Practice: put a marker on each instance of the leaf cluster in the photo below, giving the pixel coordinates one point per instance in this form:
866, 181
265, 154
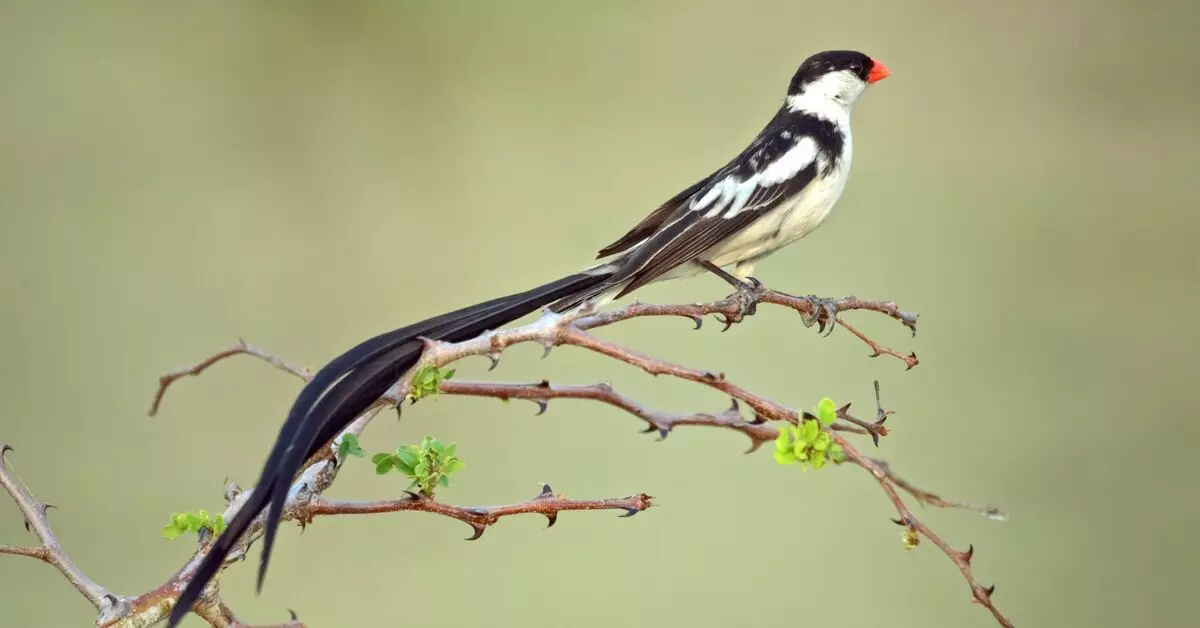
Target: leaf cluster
808, 443
429, 464
194, 521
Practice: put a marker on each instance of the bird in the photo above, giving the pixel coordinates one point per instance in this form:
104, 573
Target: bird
777, 190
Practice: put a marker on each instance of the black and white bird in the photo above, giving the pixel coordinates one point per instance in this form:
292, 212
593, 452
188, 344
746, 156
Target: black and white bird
779, 189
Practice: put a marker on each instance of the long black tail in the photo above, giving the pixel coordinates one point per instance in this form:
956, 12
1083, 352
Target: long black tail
346, 387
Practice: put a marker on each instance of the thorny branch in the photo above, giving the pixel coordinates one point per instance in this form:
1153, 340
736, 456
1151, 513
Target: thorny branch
306, 500
547, 504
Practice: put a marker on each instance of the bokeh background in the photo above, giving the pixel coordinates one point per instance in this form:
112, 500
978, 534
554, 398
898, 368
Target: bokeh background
174, 176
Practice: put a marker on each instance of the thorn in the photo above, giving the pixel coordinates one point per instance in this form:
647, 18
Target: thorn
629, 512
293, 615
542, 405
898, 522
758, 419
413, 496
545, 383
880, 413
553, 518
915, 361
733, 405
844, 409
966, 556
663, 432
649, 428
546, 349
478, 532
547, 492
989, 591
5, 448
806, 415
495, 358
754, 445
699, 321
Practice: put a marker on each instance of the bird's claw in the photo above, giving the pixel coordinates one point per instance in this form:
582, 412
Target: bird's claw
746, 297
824, 314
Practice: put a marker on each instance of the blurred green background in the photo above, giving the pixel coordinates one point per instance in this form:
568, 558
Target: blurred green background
175, 176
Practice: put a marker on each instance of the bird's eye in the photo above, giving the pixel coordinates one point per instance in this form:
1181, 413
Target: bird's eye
856, 67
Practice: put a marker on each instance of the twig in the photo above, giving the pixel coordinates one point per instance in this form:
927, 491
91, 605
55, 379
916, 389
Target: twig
241, 348
547, 504
961, 559
909, 360
49, 550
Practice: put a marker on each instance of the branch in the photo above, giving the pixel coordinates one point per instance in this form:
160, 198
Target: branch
547, 504
49, 550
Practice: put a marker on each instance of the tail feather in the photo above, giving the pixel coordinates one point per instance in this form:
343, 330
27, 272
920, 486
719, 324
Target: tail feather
346, 387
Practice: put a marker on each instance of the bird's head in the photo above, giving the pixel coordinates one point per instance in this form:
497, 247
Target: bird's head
837, 75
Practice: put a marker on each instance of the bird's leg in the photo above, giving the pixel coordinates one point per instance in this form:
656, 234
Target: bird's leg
748, 292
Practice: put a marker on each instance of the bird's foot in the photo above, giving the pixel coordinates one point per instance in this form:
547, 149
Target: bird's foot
746, 298
824, 313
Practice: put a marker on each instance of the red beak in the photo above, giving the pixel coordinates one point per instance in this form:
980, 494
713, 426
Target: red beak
879, 71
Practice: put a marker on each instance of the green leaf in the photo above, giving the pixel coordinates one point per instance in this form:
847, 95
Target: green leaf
809, 431
449, 450
785, 457
448, 374
421, 470
436, 446
822, 441
835, 454
453, 465
377, 458
385, 465
817, 459
408, 455
444, 481
827, 411
404, 468
219, 525
800, 451
783, 442
171, 531
348, 446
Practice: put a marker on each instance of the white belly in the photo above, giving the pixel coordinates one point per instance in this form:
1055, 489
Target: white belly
791, 220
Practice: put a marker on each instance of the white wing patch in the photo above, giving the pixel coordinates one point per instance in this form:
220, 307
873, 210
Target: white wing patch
798, 158
730, 195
